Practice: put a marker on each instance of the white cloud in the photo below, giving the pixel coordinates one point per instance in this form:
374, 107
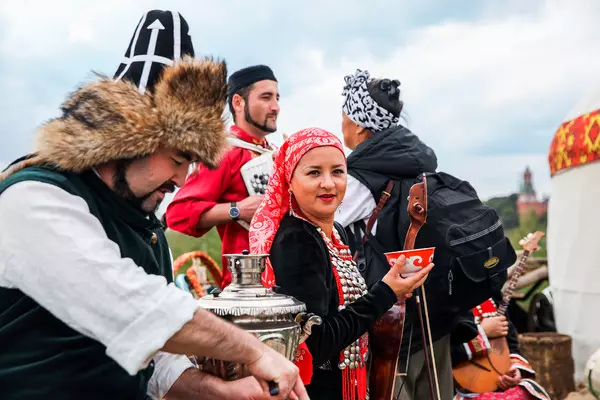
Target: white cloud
37, 28
465, 83
500, 175
80, 32
468, 85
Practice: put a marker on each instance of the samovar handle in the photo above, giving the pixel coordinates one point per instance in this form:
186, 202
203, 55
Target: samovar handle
307, 321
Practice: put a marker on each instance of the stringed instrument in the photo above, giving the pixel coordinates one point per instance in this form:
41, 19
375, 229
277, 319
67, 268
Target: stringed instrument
481, 374
385, 336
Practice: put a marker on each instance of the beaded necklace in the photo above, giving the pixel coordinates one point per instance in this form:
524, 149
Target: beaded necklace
351, 286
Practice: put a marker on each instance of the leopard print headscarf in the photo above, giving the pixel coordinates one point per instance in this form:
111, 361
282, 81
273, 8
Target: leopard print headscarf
360, 107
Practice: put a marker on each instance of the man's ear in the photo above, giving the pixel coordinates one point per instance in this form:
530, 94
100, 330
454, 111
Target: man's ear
238, 102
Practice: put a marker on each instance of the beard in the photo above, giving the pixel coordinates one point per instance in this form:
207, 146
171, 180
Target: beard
263, 127
123, 189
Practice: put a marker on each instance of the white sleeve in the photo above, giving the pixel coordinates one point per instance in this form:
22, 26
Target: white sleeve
56, 252
358, 203
167, 369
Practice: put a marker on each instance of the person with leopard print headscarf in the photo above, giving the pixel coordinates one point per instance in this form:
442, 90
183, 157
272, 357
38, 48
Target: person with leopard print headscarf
384, 150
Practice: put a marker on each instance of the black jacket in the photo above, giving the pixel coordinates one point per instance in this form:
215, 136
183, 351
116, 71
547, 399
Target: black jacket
395, 153
303, 270
398, 154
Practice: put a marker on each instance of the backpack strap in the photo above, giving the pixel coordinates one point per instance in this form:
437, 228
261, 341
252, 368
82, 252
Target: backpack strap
385, 196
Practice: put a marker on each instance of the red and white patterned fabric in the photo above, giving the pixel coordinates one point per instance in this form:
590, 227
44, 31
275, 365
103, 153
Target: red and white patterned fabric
519, 392
520, 362
486, 309
276, 205
479, 346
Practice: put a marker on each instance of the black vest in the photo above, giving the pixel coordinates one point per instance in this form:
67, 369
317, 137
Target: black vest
43, 358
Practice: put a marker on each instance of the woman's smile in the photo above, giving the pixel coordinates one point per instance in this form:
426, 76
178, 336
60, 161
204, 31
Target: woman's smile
327, 197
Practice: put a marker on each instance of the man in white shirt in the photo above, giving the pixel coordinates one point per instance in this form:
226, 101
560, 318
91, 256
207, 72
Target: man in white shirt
88, 308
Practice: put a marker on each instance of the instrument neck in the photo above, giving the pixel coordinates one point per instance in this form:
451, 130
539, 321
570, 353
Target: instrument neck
411, 235
512, 283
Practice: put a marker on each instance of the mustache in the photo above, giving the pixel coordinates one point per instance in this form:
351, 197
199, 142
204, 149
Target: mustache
263, 127
168, 187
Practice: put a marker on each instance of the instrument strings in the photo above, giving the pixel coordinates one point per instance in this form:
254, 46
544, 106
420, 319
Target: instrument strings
407, 361
433, 364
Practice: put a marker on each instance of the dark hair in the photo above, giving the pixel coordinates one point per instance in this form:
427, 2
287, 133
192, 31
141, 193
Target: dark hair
242, 92
386, 93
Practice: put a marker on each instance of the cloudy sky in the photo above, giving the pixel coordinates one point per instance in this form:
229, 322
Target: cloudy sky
486, 83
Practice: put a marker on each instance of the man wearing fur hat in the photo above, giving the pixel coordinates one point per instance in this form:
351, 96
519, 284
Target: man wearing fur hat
218, 197
88, 309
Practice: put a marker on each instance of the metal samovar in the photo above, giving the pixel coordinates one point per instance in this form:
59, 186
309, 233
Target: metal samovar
279, 321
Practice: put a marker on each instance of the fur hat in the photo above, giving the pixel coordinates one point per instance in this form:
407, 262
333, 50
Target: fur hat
110, 120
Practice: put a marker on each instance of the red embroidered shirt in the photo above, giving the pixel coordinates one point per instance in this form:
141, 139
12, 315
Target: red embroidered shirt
207, 188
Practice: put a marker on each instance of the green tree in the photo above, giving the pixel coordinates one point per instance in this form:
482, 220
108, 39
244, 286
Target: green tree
507, 210
530, 223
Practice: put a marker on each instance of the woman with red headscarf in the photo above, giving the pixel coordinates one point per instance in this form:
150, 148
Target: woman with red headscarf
309, 259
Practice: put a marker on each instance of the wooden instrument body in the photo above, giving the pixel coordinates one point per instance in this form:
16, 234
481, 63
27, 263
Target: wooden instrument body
385, 340
385, 336
481, 376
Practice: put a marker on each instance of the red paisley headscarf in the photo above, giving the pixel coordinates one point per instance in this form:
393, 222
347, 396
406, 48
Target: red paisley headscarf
276, 205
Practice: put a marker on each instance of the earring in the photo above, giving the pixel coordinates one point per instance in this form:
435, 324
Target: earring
290, 196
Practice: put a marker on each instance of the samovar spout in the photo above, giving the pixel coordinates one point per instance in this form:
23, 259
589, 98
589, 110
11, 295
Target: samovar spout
307, 321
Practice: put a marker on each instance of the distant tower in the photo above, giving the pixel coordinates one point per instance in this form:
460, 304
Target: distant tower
526, 191
527, 200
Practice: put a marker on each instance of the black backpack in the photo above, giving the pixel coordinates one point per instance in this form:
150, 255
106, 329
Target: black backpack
472, 254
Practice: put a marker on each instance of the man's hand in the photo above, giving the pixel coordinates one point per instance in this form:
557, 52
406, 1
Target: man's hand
243, 389
194, 384
510, 379
495, 327
273, 367
208, 335
248, 207
403, 287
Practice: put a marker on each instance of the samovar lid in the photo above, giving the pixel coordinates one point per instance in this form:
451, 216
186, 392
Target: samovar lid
251, 302
246, 295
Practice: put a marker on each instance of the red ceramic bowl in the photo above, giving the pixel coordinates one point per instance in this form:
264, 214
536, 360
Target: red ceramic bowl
415, 259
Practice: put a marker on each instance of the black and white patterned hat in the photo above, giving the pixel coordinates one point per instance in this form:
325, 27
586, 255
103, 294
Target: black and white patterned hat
160, 38
361, 108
